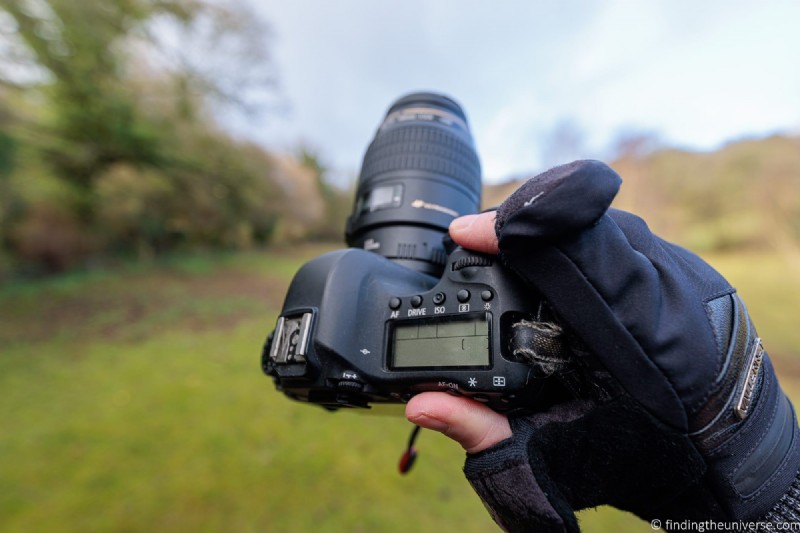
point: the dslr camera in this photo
(403, 310)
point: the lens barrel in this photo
(420, 171)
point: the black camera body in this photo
(402, 311)
(356, 328)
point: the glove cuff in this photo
(788, 507)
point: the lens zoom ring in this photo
(423, 148)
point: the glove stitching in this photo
(494, 470)
(781, 468)
(740, 435)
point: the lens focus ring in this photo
(420, 170)
(426, 148)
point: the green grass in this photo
(136, 403)
(769, 283)
(132, 400)
(183, 432)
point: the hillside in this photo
(743, 196)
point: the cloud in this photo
(695, 73)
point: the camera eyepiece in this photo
(420, 172)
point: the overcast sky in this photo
(694, 73)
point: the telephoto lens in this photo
(419, 173)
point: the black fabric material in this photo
(513, 494)
(755, 444)
(620, 455)
(514, 485)
(654, 316)
(787, 509)
(621, 289)
(550, 196)
(570, 468)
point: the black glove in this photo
(678, 413)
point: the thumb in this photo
(563, 200)
(474, 426)
(476, 232)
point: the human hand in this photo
(473, 425)
(659, 325)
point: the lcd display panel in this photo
(444, 342)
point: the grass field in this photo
(132, 400)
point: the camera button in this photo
(486, 295)
(463, 295)
(348, 385)
(394, 302)
(481, 398)
(439, 298)
(416, 301)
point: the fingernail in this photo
(431, 423)
(463, 223)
